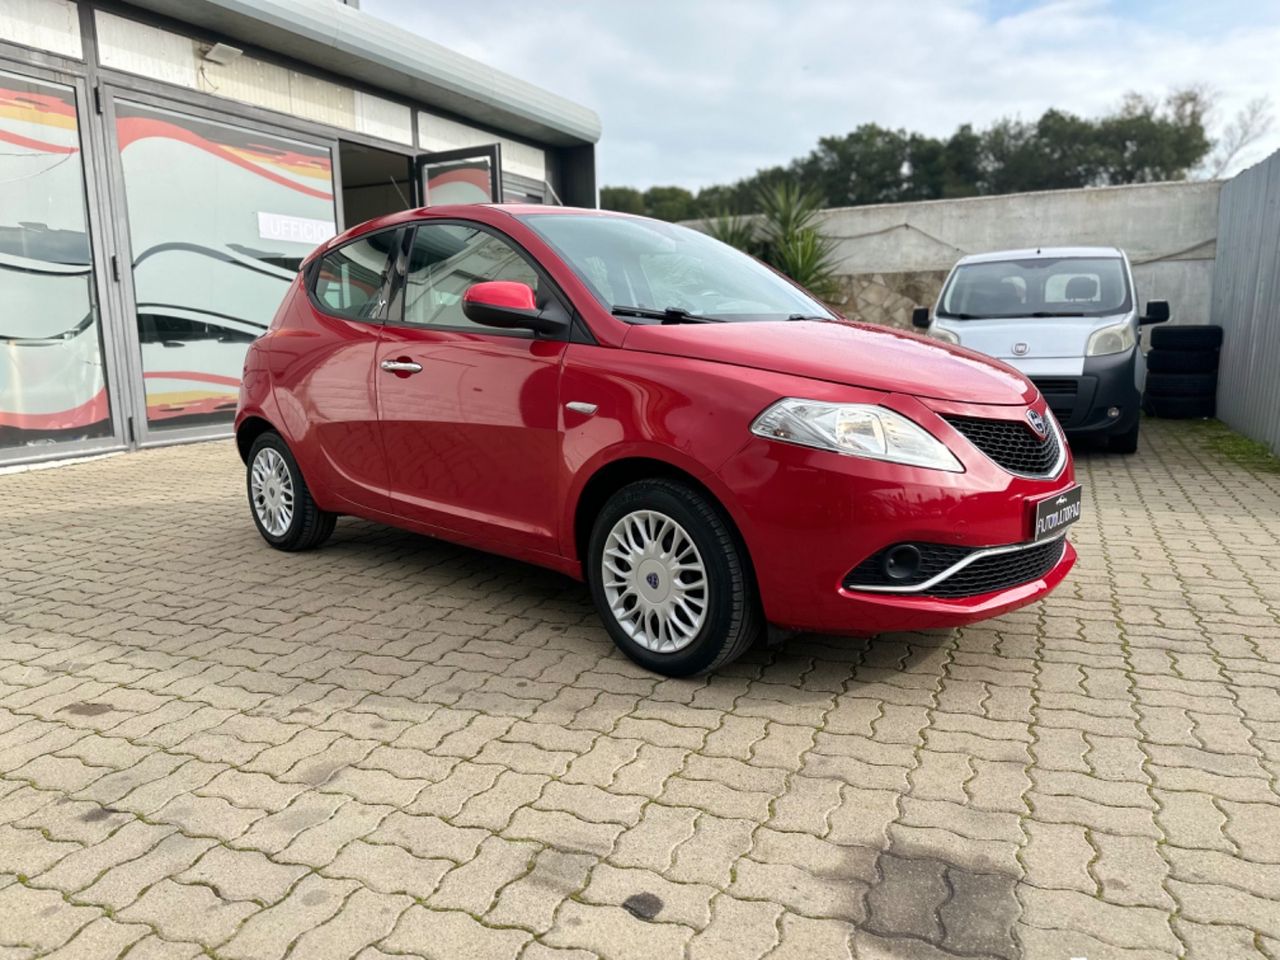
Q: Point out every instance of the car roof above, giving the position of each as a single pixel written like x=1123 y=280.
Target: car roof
x=1041 y=253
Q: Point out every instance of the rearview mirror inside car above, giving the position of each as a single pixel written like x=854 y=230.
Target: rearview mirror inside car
x=920 y=317
x=1157 y=312
x=510 y=305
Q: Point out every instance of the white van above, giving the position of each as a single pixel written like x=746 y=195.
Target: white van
x=1068 y=318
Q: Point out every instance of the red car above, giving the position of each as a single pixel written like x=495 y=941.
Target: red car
x=637 y=405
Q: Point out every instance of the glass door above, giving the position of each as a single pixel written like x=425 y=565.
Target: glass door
x=216 y=220
x=469 y=175
x=54 y=371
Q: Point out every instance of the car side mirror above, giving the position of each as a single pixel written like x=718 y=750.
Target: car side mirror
x=508 y=304
x=920 y=317
x=1157 y=312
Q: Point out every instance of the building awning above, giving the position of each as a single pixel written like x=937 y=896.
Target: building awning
x=345 y=41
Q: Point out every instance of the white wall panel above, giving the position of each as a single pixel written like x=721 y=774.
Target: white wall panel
x=134 y=47
x=440 y=133
x=52 y=25
x=137 y=48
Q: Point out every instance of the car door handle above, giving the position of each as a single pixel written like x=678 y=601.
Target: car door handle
x=401 y=366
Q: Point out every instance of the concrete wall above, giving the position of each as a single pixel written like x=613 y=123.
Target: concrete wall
x=895 y=256
x=1246 y=302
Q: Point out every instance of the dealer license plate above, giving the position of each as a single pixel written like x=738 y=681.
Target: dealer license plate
x=1054 y=514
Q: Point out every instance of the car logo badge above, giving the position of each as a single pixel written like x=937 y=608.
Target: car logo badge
x=1020 y=349
x=652 y=580
x=1037 y=422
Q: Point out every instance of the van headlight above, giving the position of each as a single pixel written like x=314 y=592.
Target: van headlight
x=856 y=430
x=1116 y=338
x=943 y=334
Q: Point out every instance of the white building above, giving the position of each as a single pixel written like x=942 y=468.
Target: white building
x=166 y=164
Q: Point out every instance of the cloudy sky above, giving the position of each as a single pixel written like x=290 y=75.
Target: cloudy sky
x=695 y=92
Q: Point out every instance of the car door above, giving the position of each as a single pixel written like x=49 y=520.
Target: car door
x=324 y=370
x=469 y=414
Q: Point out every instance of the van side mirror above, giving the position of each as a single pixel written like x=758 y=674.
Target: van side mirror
x=1157 y=312
x=920 y=317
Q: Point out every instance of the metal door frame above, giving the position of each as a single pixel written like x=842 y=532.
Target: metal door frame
x=142 y=435
x=57 y=71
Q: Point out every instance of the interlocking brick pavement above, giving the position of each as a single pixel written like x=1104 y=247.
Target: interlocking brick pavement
x=396 y=747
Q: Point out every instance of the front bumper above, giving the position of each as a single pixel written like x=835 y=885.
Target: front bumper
x=1081 y=403
x=809 y=517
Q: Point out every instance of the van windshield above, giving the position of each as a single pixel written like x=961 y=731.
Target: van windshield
x=1040 y=287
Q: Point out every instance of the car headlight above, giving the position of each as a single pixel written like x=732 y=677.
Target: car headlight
x=1116 y=338
x=943 y=334
x=854 y=429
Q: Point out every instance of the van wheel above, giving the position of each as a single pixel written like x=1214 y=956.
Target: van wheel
x=279 y=500
x=1126 y=442
x=670 y=579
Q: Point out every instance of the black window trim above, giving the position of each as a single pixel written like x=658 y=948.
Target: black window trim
x=313 y=272
x=575 y=331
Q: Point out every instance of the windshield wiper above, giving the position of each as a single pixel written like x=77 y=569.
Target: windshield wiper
x=1050 y=313
x=667 y=315
x=808 y=316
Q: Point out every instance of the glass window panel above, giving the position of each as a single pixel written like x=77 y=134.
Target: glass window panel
x=219 y=221
x=53 y=385
x=349 y=280
x=447 y=259
x=459 y=181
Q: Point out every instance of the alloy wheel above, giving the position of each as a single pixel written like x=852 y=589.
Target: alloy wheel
x=271 y=490
x=655 y=581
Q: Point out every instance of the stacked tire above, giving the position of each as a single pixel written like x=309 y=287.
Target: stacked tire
x=1182 y=372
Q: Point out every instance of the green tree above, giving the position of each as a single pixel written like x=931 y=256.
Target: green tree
x=1143 y=140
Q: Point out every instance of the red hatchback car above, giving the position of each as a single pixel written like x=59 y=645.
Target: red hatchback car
x=638 y=405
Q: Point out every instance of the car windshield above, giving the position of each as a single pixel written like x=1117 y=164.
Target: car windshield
x=644 y=265
x=1039 y=287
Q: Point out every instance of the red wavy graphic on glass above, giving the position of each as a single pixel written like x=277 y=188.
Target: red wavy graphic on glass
x=132 y=129
x=37 y=104
x=91 y=411
x=96 y=409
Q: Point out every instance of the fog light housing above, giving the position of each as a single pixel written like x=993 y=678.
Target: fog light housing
x=1113 y=412
x=902 y=562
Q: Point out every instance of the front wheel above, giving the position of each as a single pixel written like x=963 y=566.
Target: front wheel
x=1126 y=442
x=279 y=500
x=671 y=580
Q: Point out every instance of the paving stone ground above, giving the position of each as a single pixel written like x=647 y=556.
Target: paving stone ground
x=395 y=747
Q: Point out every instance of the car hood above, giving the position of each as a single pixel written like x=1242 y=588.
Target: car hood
x=858 y=354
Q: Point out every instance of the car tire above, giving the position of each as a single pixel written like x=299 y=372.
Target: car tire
x=1182 y=384
x=1181 y=408
x=279 y=500
x=1182 y=361
x=1187 y=337
x=1126 y=442
x=663 y=538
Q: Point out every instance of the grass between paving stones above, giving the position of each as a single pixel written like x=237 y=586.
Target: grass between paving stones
x=1216 y=437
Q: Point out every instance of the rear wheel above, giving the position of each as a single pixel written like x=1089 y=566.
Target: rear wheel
x=282 y=507
x=670 y=579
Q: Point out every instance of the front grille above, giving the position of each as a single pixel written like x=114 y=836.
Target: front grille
x=1001 y=571
x=1012 y=444
x=1048 y=385
x=985 y=575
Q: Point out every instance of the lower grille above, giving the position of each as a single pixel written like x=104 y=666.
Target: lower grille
x=986 y=574
x=1012 y=444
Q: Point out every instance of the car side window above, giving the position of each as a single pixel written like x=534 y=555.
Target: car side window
x=349 y=280
x=444 y=260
